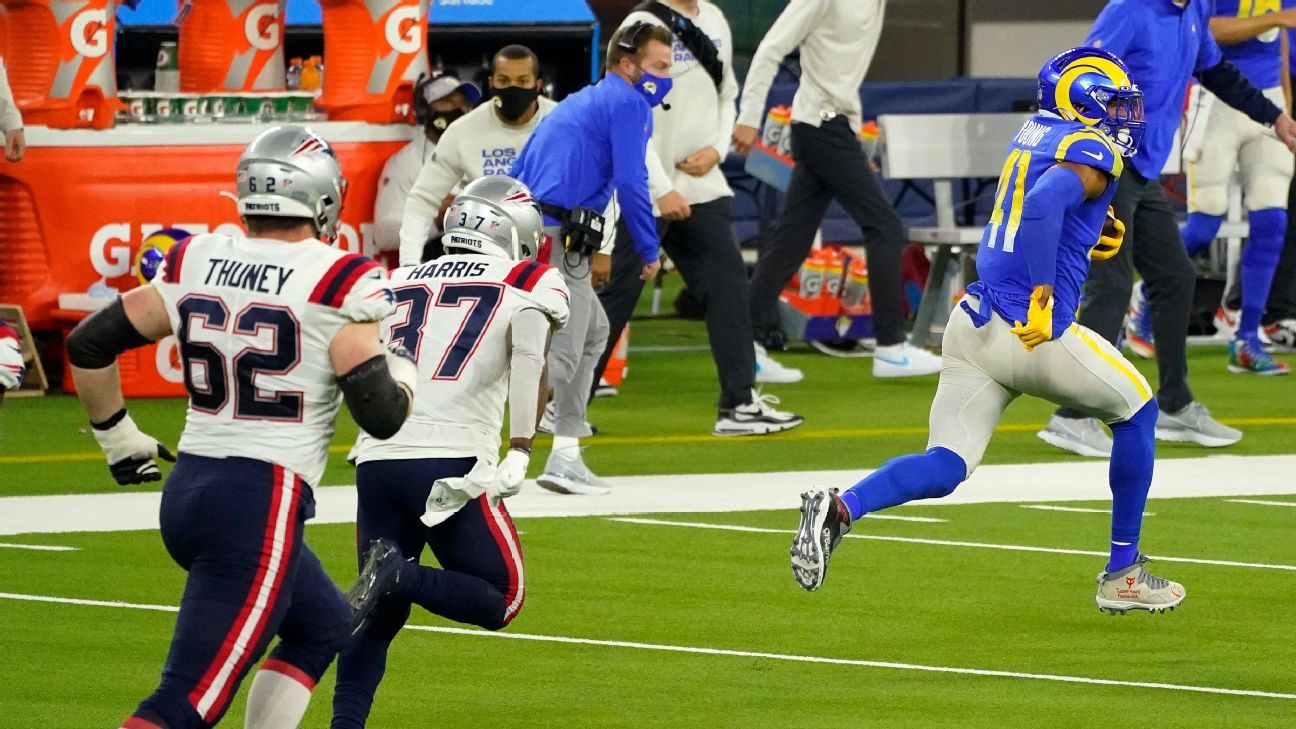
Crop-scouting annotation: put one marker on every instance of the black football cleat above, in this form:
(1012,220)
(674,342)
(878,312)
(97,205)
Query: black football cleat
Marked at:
(824,521)
(378,578)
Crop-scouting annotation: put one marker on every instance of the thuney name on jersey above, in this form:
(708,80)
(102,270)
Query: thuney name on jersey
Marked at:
(264,278)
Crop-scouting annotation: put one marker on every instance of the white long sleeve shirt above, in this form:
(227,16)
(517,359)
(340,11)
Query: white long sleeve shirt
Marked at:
(700,116)
(476,145)
(10,118)
(398,177)
(837,40)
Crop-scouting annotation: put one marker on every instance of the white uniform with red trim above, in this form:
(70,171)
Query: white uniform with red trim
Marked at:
(453,314)
(254,319)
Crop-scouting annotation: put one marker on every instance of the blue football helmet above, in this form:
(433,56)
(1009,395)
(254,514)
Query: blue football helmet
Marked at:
(1093,87)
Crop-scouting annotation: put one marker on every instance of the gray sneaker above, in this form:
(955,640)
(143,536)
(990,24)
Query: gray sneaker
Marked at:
(1082,436)
(1134,589)
(565,474)
(1194,424)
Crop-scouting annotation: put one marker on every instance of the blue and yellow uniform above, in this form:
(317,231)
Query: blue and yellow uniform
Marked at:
(1259,58)
(1003,257)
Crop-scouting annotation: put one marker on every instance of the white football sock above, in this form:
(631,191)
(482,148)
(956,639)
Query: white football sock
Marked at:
(563,442)
(276,700)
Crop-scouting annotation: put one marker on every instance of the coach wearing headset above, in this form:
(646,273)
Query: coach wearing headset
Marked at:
(438,102)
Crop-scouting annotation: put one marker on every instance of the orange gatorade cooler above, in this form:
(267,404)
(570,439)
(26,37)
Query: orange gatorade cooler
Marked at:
(60,60)
(232,45)
(376,51)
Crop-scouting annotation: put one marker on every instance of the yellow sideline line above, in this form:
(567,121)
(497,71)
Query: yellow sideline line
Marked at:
(648,440)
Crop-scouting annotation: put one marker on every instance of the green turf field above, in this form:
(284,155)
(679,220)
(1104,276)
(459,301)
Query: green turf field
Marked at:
(640,599)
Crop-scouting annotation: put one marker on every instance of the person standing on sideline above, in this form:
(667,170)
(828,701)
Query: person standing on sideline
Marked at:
(591,144)
(485,142)
(437,104)
(1252,36)
(11,123)
(695,215)
(837,39)
(1140,32)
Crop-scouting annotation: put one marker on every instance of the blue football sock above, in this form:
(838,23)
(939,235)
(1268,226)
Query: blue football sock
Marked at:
(1259,261)
(1130,474)
(927,475)
(1199,231)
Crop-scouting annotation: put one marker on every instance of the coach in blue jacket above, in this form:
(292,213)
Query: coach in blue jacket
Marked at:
(590,145)
(1164,43)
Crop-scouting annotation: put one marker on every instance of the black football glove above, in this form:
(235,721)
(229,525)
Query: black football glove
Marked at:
(129,450)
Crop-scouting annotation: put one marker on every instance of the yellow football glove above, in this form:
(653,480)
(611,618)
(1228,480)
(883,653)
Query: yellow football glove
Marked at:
(1038,328)
(1109,241)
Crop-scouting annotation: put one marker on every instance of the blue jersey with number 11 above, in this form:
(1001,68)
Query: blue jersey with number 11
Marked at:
(1042,142)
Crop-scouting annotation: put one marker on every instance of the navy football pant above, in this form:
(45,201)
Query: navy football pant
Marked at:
(235,525)
(480,581)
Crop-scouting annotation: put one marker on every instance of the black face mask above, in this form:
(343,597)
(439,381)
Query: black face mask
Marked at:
(436,126)
(514,101)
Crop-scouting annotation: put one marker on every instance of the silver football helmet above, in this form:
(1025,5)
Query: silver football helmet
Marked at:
(494,216)
(289,171)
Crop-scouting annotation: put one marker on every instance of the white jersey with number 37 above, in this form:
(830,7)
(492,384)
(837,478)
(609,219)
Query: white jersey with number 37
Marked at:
(454,314)
(254,319)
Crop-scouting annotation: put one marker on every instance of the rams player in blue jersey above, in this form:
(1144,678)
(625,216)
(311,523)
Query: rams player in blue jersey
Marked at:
(1015,332)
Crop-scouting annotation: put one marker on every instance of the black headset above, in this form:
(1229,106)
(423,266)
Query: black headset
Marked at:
(629,40)
(422,108)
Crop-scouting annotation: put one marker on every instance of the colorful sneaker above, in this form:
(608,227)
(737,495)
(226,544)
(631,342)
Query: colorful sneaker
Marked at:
(1134,589)
(1138,325)
(824,521)
(1282,334)
(1250,358)
(1226,323)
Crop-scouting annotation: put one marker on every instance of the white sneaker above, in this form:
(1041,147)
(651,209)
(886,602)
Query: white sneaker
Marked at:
(1194,424)
(1081,436)
(605,389)
(566,473)
(1134,589)
(770,371)
(1226,323)
(904,360)
(755,418)
(1282,334)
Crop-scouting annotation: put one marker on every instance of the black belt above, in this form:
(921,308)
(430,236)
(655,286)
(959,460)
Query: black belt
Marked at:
(560,214)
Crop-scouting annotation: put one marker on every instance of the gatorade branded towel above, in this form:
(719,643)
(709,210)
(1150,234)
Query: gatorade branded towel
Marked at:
(232,45)
(375,51)
(60,60)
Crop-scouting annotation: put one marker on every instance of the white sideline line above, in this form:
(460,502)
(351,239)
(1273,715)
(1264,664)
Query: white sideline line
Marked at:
(853,662)
(1262,502)
(1058,678)
(917,519)
(39,547)
(1076,509)
(950,543)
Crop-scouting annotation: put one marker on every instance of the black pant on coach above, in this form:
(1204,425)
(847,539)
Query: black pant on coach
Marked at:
(1282,296)
(706,254)
(1154,248)
(832,165)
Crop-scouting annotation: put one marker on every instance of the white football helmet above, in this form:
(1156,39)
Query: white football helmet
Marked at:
(289,171)
(494,216)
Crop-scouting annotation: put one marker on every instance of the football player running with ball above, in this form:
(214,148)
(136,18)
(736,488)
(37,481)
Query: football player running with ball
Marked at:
(1014,332)
(478,321)
(275,330)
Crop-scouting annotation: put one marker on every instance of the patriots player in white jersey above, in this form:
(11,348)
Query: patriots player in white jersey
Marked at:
(12,364)
(478,321)
(274,330)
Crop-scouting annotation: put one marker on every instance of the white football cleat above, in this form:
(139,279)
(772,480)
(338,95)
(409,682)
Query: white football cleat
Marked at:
(824,521)
(1134,589)
(904,360)
(771,371)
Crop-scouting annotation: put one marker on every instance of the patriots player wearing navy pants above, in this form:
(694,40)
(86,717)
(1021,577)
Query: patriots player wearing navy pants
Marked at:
(1015,330)
(439,482)
(274,331)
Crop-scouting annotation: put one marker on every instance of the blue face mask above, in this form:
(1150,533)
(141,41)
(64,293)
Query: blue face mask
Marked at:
(653,88)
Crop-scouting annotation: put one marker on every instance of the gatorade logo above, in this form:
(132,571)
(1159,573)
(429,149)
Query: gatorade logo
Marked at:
(261,26)
(89,33)
(402,29)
